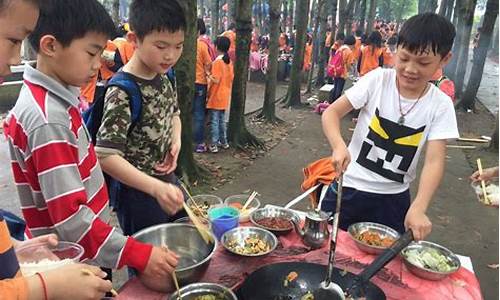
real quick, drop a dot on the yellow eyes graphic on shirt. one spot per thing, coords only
(375, 126)
(411, 140)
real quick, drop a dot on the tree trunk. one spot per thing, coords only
(323, 55)
(451, 68)
(362, 16)
(291, 14)
(476, 74)
(442, 7)
(202, 8)
(371, 16)
(449, 9)
(238, 134)
(316, 44)
(456, 11)
(464, 49)
(495, 45)
(268, 110)
(293, 94)
(342, 18)
(214, 19)
(432, 5)
(116, 12)
(312, 12)
(349, 13)
(185, 73)
(284, 12)
(494, 138)
(231, 11)
(335, 6)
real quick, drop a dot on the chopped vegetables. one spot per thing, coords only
(275, 223)
(249, 246)
(210, 297)
(200, 210)
(290, 277)
(307, 296)
(375, 239)
(429, 258)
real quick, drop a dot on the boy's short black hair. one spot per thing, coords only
(358, 32)
(340, 36)
(147, 16)
(427, 30)
(202, 29)
(68, 20)
(350, 40)
(393, 40)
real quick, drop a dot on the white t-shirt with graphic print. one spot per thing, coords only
(384, 154)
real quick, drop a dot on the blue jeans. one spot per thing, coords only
(358, 206)
(199, 112)
(217, 126)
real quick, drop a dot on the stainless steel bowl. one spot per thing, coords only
(190, 292)
(428, 273)
(273, 212)
(239, 234)
(185, 241)
(384, 231)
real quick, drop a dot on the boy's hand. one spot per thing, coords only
(168, 196)
(169, 164)
(418, 222)
(162, 262)
(70, 282)
(48, 239)
(341, 159)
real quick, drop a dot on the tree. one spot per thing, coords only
(185, 73)
(284, 12)
(449, 9)
(349, 13)
(317, 18)
(116, 11)
(214, 19)
(201, 5)
(442, 7)
(494, 138)
(323, 54)
(451, 68)
(464, 48)
(342, 16)
(238, 134)
(268, 110)
(476, 74)
(371, 16)
(293, 94)
(362, 15)
(291, 14)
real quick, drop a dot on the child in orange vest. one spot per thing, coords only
(372, 54)
(219, 94)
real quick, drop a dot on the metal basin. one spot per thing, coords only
(238, 235)
(185, 241)
(384, 231)
(273, 212)
(190, 292)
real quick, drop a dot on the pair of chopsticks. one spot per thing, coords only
(88, 272)
(483, 184)
(202, 228)
(249, 200)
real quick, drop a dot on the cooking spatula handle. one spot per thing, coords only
(385, 257)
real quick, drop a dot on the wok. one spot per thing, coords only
(267, 283)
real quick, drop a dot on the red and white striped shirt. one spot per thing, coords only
(60, 183)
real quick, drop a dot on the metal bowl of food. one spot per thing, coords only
(429, 260)
(187, 243)
(237, 201)
(275, 219)
(203, 204)
(203, 291)
(372, 238)
(249, 241)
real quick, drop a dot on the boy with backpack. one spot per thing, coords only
(139, 147)
(401, 113)
(58, 177)
(339, 65)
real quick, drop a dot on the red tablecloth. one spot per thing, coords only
(395, 280)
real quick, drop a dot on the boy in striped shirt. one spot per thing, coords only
(59, 181)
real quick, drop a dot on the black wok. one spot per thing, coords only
(267, 283)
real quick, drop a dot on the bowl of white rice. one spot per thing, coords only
(43, 257)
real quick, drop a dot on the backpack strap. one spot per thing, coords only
(127, 83)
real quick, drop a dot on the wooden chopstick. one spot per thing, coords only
(483, 184)
(87, 272)
(176, 282)
(202, 229)
(249, 200)
(190, 197)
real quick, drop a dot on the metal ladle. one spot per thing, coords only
(328, 286)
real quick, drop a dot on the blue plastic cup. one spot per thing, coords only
(223, 219)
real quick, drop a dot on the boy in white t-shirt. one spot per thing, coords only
(400, 113)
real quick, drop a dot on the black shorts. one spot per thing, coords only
(358, 206)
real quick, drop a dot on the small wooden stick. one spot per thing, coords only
(87, 272)
(483, 185)
(179, 296)
(249, 200)
(191, 197)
